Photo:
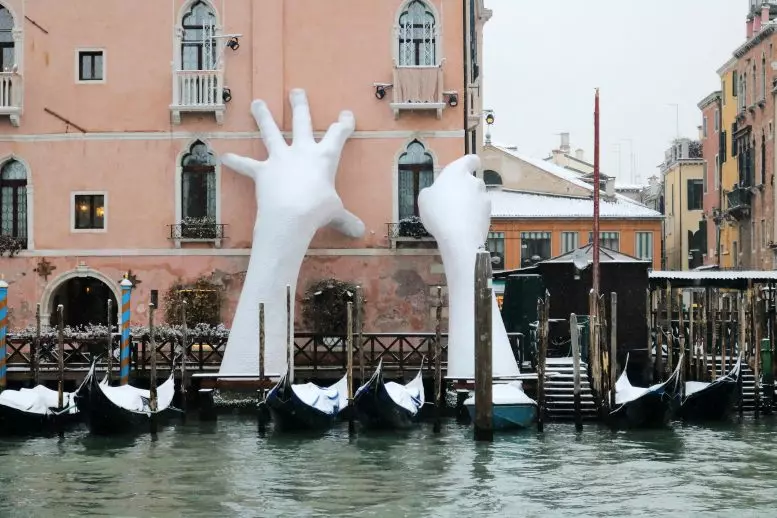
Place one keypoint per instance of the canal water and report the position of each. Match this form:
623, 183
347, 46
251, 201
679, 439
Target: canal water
227, 469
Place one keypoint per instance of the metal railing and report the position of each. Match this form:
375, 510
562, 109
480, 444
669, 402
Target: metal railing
198, 231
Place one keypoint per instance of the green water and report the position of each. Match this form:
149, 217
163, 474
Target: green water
227, 469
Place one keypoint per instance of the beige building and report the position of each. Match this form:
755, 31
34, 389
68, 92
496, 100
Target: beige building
685, 233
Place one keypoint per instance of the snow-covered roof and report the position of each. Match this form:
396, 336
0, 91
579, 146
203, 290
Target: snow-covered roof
728, 275
507, 203
587, 253
629, 186
549, 167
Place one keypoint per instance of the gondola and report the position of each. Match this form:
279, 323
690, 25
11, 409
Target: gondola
112, 410
36, 411
710, 401
512, 408
306, 406
646, 407
390, 406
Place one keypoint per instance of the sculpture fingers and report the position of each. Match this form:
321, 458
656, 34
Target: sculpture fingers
339, 132
464, 166
243, 165
347, 223
303, 126
273, 139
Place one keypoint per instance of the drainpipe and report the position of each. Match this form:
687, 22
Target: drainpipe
719, 178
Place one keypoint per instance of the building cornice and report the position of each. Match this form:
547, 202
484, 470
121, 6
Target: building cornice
711, 98
727, 66
766, 31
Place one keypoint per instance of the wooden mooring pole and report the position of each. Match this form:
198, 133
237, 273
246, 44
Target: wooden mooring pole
184, 354
594, 355
289, 334
742, 327
359, 339
714, 334
758, 322
575, 339
681, 337
484, 420
704, 337
542, 335
153, 402
61, 357
693, 357
670, 326
438, 364
650, 318
261, 413
660, 336
35, 351
613, 367
109, 344
349, 371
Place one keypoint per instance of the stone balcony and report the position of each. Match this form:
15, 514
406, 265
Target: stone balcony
418, 88
198, 91
11, 87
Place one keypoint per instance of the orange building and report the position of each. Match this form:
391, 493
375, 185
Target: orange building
540, 210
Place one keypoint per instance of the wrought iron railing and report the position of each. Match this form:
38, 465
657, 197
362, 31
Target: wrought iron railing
407, 229
314, 355
739, 197
198, 231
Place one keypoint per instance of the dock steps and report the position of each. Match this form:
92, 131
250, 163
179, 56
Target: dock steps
559, 391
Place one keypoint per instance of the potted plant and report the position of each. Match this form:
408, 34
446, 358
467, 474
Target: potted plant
412, 227
199, 228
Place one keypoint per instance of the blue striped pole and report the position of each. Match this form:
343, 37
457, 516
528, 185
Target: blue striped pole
124, 355
3, 329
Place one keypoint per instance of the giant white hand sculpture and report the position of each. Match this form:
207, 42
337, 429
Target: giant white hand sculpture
295, 196
457, 211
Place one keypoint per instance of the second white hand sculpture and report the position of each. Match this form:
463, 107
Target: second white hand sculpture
295, 196
457, 211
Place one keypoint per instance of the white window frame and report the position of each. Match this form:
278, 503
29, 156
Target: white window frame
637, 241
566, 233
104, 79
717, 173
73, 229
704, 127
717, 120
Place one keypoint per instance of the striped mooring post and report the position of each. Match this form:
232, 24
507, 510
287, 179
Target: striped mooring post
3, 330
124, 354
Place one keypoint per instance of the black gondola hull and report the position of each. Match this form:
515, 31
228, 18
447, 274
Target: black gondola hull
290, 413
652, 410
375, 409
103, 417
713, 403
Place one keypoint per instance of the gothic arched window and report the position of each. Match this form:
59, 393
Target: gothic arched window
198, 184
416, 171
492, 177
198, 47
7, 57
417, 36
13, 200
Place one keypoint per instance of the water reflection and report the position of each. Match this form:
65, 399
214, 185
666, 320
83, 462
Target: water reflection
225, 469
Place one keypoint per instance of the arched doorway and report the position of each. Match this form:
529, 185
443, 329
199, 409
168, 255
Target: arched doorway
84, 301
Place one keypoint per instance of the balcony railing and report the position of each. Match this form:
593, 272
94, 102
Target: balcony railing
739, 201
418, 88
198, 232
409, 234
198, 91
12, 245
10, 96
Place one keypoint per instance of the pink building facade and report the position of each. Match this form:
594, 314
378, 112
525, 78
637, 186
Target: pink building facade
113, 118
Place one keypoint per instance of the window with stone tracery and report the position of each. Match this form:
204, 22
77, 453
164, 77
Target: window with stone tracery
198, 184
417, 36
7, 57
416, 171
13, 200
198, 46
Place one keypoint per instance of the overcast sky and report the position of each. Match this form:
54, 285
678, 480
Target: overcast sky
544, 58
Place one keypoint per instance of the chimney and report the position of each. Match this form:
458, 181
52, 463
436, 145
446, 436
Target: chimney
580, 154
756, 24
765, 13
609, 187
565, 143
749, 29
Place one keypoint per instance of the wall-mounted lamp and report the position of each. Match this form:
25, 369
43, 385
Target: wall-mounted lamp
453, 98
226, 94
380, 89
490, 118
233, 43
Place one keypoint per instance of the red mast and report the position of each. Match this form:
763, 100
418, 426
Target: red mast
595, 286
